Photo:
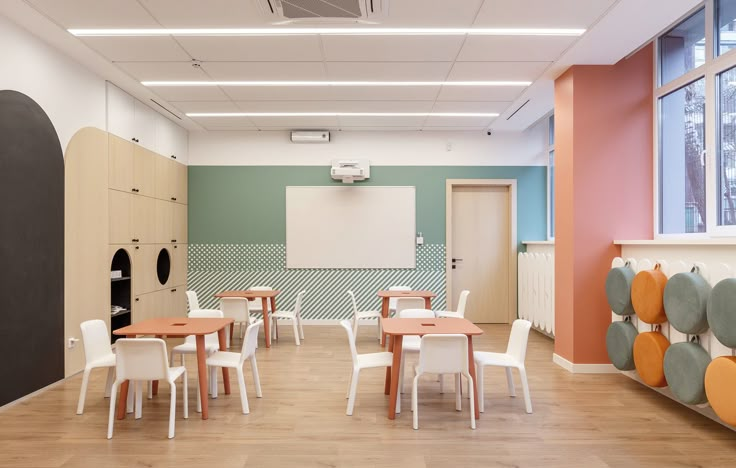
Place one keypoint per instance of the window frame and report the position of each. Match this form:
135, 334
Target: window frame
550, 182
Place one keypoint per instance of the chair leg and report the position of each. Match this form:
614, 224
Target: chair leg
150, 390
138, 399
185, 393
301, 328
256, 377
83, 390
379, 325
471, 391
481, 394
414, 403
131, 398
213, 379
510, 382
355, 328
458, 394
296, 331
113, 399
243, 394
353, 389
172, 410
199, 398
525, 389
110, 378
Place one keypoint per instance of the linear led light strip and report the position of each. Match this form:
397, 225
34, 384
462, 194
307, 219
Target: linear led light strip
336, 83
341, 114
331, 32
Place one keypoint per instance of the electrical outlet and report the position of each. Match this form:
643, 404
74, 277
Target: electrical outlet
72, 342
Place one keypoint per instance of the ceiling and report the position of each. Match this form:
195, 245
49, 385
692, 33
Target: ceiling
333, 58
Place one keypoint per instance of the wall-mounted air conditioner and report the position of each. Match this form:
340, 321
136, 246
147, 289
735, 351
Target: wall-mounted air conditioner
323, 11
350, 170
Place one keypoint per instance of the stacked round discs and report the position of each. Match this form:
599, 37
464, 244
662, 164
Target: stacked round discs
647, 297
720, 377
620, 335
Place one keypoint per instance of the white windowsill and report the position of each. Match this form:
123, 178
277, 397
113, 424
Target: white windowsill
547, 242
705, 242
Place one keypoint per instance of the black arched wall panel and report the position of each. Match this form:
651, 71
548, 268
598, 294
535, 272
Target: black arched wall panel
31, 248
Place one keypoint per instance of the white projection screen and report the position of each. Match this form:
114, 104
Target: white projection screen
350, 227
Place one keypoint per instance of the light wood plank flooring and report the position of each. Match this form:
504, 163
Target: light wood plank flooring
578, 420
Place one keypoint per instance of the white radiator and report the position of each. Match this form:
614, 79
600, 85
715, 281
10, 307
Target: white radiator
536, 286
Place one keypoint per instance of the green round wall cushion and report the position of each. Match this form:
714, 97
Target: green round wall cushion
620, 345
684, 367
686, 302
618, 290
722, 311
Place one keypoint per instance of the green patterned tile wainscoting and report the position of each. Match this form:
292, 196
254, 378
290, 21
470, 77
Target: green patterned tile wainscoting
237, 232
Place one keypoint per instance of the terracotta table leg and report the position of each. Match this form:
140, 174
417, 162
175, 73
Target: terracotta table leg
395, 366
202, 373
223, 347
428, 303
387, 385
471, 364
384, 314
266, 321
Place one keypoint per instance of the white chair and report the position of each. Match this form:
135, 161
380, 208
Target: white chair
364, 314
257, 305
193, 302
361, 361
512, 358
460, 311
140, 360
410, 343
97, 353
236, 361
444, 354
293, 315
211, 341
392, 300
238, 309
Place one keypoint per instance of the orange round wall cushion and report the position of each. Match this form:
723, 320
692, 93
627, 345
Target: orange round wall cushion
720, 386
647, 295
649, 349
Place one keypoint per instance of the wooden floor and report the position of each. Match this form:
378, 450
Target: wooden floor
578, 420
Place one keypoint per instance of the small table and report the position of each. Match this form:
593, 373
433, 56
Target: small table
181, 326
387, 295
265, 296
397, 328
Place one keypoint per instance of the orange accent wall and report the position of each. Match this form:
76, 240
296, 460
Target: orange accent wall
603, 191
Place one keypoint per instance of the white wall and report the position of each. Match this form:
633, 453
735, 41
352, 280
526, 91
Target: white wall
381, 148
72, 96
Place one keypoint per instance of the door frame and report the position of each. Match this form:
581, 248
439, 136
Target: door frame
511, 185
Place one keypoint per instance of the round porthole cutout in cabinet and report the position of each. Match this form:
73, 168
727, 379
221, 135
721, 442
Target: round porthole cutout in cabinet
163, 266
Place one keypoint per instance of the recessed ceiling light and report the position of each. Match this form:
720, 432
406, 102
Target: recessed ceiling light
336, 83
362, 31
341, 114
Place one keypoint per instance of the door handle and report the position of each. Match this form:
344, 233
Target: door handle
457, 260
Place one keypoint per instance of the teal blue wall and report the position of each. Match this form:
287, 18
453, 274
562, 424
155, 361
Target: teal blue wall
247, 204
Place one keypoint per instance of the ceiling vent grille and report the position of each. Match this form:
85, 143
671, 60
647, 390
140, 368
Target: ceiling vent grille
320, 11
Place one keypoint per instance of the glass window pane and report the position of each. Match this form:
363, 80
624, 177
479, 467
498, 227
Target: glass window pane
552, 130
726, 26
681, 161
551, 170
682, 48
726, 139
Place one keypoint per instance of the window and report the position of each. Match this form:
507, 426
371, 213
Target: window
551, 178
726, 33
682, 48
726, 141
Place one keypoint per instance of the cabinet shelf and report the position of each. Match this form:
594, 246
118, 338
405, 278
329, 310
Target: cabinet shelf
124, 278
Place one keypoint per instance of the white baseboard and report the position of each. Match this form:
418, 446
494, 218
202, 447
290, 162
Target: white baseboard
369, 322
583, 368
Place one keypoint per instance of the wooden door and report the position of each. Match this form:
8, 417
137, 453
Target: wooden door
178, 265
120, 167
480, 250
144, 268
178, 302
144, 307
120, 208
144, 171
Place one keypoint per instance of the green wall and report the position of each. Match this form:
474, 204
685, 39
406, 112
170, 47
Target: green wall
247, 204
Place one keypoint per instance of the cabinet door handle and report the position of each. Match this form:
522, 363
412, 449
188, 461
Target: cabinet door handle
173, 290
173, 198
173, 241
173, 157
137, 299
135, 139
137, 247
135, 240
175, 245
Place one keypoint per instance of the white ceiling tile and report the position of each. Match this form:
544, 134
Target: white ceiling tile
73, 14
273, 128
497, 71
368, 121
434, 121
205, 106
540, 13
432, 13
335, 106
384, 93
388, 71
295, 122
471, 106
138, 49
253, 48
277, 93
391, 48
380, 129
224, 121
210, 13
196, 93
480, 93
163, 71
512, 48
262, 71
454, 129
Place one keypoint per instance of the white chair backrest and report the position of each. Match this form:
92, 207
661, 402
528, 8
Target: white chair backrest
236, 308
206, 313
95, 339
257, 304
141, 359
518, 339
462, 301
260, 288
392, 301
403, 303
416, 313
443, 354
192, 300
352, 301
250, 341
351, 339
298, 303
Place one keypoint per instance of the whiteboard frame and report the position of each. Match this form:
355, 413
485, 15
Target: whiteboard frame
362, 188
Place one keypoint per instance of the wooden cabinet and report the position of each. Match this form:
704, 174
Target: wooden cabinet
120, 166
162, 168
144, 171
119, 206
171, 139
143, 219
178, 183
179, 223
178, 275
144, 307
164, 222
144, 268
171, 180
171, 302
